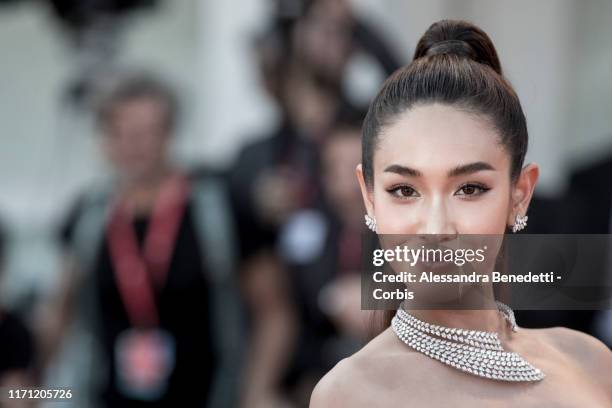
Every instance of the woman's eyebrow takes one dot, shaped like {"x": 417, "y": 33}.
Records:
{"x": 470, "y": 168}
{"x": 457, "y": 171}
{"x": 403, "y": 170}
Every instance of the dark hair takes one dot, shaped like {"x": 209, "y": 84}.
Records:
{"x": 135, "y": 86}
{"x": 455, "y": 63}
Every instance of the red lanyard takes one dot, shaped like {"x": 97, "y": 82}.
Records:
{"x": 139, "y": 274}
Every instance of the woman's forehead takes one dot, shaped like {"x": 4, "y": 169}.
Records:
{"x": 439, "y": 136}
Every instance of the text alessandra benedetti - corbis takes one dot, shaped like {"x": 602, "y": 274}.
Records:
{"x": 494, "y": 277}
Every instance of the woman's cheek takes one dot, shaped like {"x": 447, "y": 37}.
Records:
{"x": 481, "y": 217}
{"x": 394, "y": 216}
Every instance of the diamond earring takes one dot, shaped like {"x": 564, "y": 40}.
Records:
{"x": 370, "y": 222}
{"x": 519, "y": 223}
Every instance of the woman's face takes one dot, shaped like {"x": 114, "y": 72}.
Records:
{"x": 440, "y": 170}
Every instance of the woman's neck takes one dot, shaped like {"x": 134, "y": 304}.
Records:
{"x": 489, "y": 320}
{"x": 476, "y": 309}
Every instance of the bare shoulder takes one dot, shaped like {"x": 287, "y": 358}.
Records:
{"x": 582, "y": 345}
{"x": 585, "y": 350}
{"x": 361, "y": 379}
{"x": 334, "y": 389}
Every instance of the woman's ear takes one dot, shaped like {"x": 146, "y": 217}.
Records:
{"x": 523, "y": 191}
{"x": 366, "y": 194}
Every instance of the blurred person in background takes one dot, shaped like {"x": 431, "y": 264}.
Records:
{"x": 329, "y": 33}
{"x": 150, "y": 284}
{"x": 341, "y": 298}
{"x": 321, "y": 247}
{"x": 276, "y": 174}
{"x": 272, "y": 178}
{"x": 16, "y": 343}
{"x": 302, "y": 59}
{"x": 585, "y": 208}
{"x": 590, "y": 197}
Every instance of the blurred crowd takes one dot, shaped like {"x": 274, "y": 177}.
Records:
{"x": 239, "y": 286}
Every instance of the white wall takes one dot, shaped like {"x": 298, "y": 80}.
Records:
{"x": 589, "y": 119}
{"x": 232, "y": 108}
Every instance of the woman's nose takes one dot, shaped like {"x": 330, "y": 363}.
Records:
{"x": 436, "y": 221}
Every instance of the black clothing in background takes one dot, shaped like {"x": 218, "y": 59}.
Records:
{"x": 320, "y": 343}
{"x": 586, "y": 208}
{"x": 184, "y": 309}
{"x": 16, "y": 345}
{"x": 282, "y": 147}
{"x": 590, "y": 199}
{"x": 590, "y": 192}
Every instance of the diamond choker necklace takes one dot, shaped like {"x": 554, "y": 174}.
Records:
{"x": 476, "y": 352}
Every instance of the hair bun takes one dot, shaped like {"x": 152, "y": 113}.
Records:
{"x": 461, "y": 38}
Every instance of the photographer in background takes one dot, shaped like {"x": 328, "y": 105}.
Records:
{"x": 150, "y": 283}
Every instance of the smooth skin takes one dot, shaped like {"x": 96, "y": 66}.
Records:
{"x": 441, "y": 170}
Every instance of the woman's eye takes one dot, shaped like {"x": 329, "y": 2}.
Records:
{"x": 472, "y": 190}
{"x": 404, "y": 192}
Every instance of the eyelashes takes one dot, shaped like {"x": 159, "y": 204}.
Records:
{"x": 475, "y": 188}
{"x": 468, "y": 190}
{"x": 403, "y": 191}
